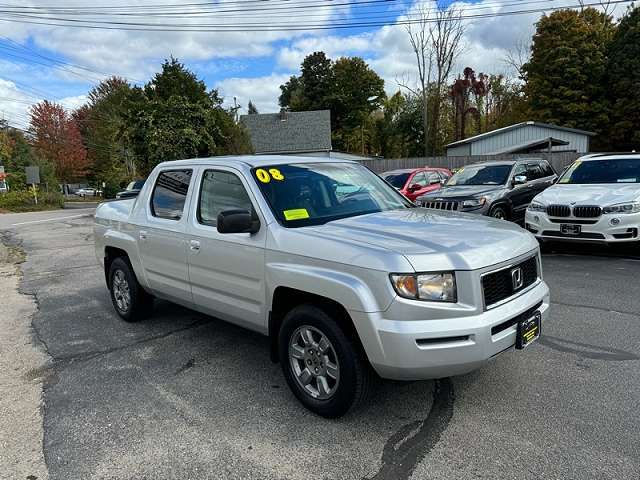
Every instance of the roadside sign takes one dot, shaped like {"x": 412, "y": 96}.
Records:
{"x": 33, "y": 175}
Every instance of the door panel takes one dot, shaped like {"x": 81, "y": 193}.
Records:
{"x": 226, "y": 270}
{"x": 162, "y": 242}
{"x": 520, "y": 195}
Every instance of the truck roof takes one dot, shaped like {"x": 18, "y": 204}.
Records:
{"x": 252, "y": 160}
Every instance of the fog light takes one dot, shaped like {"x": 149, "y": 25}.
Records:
{"x": 536, "y": 218}
{"x": 614, "y": 221}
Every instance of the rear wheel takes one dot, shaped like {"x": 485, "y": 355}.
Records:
{"x": 323, "y": 366}
{"x": 129, "y": 299}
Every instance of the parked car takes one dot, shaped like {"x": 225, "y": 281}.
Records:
{"x": 86, "y": 192}
{"x": 501, "y": 189}
{"x": 132, "y": 190}
{"x": 413, "y": 182}
{"x": 346, "y": 282}
{"x": 597, "y": 199}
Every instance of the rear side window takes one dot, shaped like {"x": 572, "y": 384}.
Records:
{"x": 547, "y": 171}
{"x": 420, "y": 179}
{"x": 221, "y": 191}
{"x": 170, "y": 193}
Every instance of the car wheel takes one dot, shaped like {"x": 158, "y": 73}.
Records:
{"x": 499, "y": 212}
{"x": 324, "y": 368}
{"x": 129, "y": 299}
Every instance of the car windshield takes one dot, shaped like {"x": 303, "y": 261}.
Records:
{"x": 623, "y": 170}
{"x": 316, "y": 193}
{"x": 397, "y": 180}
{"x": 137, "y": 185}
{"x": 481, "y": 175}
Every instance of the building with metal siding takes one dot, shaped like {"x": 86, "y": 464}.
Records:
{"x": 525, "y": 137}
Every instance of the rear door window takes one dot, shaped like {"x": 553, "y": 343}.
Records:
{"x": 420, "y": 179}
{"x": 170, "y": 194}
{"x": 547, "y": 171}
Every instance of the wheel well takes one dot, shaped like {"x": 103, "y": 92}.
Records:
{"x": 285, "y": 299}
{"x": 504, "y": 204}
{"x": 110, "y": 254}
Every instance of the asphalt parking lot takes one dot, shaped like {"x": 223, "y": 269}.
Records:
{"x": 185, "y": 396}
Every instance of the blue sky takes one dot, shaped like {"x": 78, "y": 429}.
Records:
{"x": 246, "y": 64}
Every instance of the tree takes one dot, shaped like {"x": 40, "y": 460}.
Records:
{"x": 56, "y": 138}
{"x": 251, "y": 108}
{"x": 103, "y": 128}
{"x": 310, "y": 91}
{"x": 468, "y": 93}
{"x": 348, "y": 87}
{"x": 622, "y": 73}
{"x": 566, "y": 74}
{"x": 420, "y": 40}
{"x": 174, "y": 116}
{"x": 446, "y": 36}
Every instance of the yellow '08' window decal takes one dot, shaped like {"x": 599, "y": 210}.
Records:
{"x": 265, "y": 177}
{"x": 296, "y": 214}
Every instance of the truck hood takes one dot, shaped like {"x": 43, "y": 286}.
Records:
{"x": 463, "y": 191}
{"x": 433, "y": 241}
{"x": 601, "y": 194}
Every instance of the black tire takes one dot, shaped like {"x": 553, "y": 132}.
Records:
{"x": 355, "y": 374}
{"x": 140, "y": 302}
{"x": 500, "y": 212}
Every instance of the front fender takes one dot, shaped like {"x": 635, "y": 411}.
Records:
{"x": 349, "y": 290}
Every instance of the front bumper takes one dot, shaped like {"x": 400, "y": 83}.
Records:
{"x": 627, "y": 228}
{"x": 421, "y": 349}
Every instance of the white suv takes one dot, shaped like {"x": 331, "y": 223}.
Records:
{"x": 596, "y": 199}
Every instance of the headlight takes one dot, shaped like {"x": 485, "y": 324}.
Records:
{"x": 631, "y": 207}
{"x": 434, "y": 287}
{"x": 474, "y": 202}
{"x": 537, "y": 207}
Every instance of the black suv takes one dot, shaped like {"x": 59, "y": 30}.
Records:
{"x": 500, "y": 189}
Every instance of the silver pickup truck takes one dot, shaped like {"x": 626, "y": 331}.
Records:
{"x": 347, "y": 278}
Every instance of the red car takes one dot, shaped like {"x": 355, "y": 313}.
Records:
{"x": 413, "y": 182}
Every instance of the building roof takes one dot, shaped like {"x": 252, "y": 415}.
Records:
{"x": 289, "y": 132}
{"x": 526, "y": 147}
{"x": 515, "y": 126}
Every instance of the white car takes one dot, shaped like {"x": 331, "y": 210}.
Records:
{"x": 86, "y": 192}
{"x": 597, "y": 199}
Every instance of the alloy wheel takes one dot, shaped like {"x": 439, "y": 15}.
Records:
{"x": 314, "y": 362}
{"x": 121, "y": 292}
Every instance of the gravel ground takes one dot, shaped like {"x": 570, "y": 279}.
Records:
{"x": 23, "y": 367}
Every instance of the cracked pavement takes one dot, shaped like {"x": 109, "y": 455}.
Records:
{"x": 186, "y": 396}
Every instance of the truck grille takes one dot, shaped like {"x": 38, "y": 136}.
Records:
{"x": 586, "y": 211}
{"x": 496, "y": 286}
{"x": 559, "y": 210}
{"x": 442, "y": 205}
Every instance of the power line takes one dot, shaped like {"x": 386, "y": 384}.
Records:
{"x": 271, "y": 27}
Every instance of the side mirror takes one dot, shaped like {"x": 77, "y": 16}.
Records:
{"x": 519, "y": 179}
{"x": 414, "y": 188}
{"x": 237, "y": 221}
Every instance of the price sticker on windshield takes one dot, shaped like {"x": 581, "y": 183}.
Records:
{"x": 265, "y": 176}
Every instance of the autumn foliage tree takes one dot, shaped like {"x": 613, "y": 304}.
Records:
{"x": 56, "y": 138}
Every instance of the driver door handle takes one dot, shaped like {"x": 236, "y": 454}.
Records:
{"x": 194, "y": 245}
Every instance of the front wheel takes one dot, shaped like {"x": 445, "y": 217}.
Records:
{"x": 499, "y": 212}
{"x": 323, "y": 366}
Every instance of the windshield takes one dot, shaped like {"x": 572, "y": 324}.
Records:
{"x": 624, "y": 170}
{"x": 137, "y": 185}
{"x": 481, "y": 175}
{"x": 396, "y": 179}
{"x": 316, "y": 193}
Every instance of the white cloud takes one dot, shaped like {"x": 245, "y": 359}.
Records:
{"x": 262, "y": 91}
{"x": 14, "y": 104}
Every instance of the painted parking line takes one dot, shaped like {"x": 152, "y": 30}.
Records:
{"x": 55, "y": 219}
